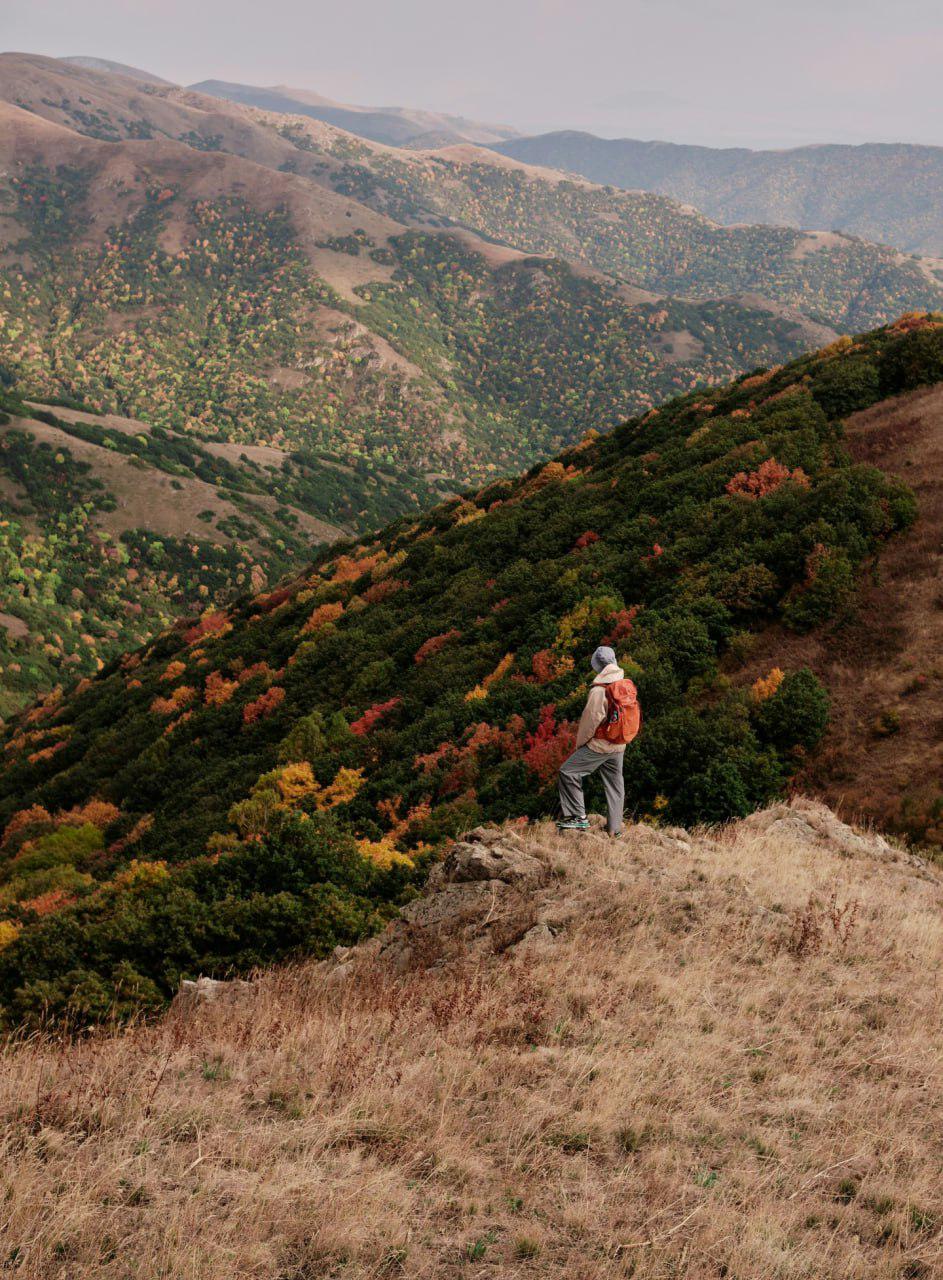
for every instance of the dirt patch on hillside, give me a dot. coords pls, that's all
(813, 333)
(635, 296)
(678, 346)
(264, 455)
(345, 272)
(14, 626)
(130, 426)
(812, 241)
(883, 756)
(332, 324)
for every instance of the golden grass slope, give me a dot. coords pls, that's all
(725, 1063)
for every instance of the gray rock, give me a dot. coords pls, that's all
(536, 940)
(506, 861)
(213, 991)
(812, 822)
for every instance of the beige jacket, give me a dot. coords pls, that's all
(595, 712)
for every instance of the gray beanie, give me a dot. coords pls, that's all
(603, 657)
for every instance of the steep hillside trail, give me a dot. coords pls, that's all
(698, 1054)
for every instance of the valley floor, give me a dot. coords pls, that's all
(709, 1056)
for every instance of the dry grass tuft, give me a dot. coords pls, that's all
(728, 1063)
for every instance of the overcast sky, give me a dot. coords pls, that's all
(724, 72)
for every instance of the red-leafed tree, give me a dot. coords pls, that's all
(372, 715)
(549, 745)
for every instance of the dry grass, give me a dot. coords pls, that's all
(703, 1076)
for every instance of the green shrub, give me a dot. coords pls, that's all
(797, 713)
(847, 384)
(823, 597)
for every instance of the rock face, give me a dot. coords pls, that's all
(484, 898)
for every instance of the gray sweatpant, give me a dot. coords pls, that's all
(580, 765)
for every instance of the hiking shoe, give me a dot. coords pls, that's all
(572, 824)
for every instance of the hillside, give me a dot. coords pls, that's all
(162, 264)
(646, 240)
(191, 289)
(886, 192)
(112, 529)
(674, 1054)
(883, 756)
(321, 321)
(272, 776)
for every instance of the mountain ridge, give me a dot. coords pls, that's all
(884, 192)
(396, 126)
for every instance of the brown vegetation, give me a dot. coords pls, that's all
(720, 1058)
(882, 759)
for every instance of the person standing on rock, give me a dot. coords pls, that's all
(610, 720)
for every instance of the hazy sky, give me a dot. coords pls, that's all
(725, 72)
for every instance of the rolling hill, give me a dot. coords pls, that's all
(646, 241)
(677, 1053)
(410, 326)
(886, 192)
(111, 529)
(273, 777)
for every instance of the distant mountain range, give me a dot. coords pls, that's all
(395, 126)
(892, 193)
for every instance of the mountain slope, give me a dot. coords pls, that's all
(115, 68)
(883, 756)
(411, 684)
(890, 193)
(112, 529)
(712, 1055)
(320, 320)
(238, 308)
(394, 126)
(646, 240)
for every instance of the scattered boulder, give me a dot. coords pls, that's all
(213, 991)
(486, 854)
(536, 940)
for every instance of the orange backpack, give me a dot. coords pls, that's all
(623, 713)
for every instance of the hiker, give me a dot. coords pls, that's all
(610, 720)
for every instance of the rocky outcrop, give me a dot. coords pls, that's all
(484, 898)
(497, 892)
(812, 822)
